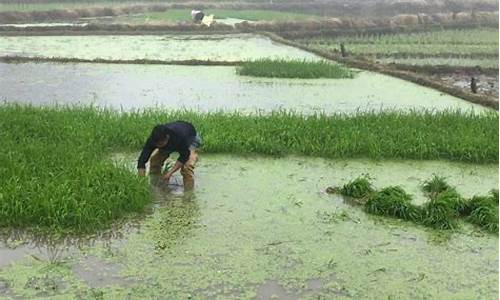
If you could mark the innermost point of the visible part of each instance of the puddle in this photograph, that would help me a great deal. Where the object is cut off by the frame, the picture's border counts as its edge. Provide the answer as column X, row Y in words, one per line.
column 214, row 88
column 255, row 227
column 230, row 47
column 273, row 290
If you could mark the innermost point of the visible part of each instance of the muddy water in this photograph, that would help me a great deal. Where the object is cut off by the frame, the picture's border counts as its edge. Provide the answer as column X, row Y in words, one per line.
column 230, row 47
column 204, row 89
column 262, row 228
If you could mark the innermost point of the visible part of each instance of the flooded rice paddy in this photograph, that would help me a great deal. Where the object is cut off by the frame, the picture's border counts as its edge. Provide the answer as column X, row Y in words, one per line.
column 264, row 228
column 228, row 47
column 211, row 88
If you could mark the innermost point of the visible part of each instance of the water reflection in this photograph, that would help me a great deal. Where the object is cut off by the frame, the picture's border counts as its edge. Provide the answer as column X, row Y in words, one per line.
column 177, row 213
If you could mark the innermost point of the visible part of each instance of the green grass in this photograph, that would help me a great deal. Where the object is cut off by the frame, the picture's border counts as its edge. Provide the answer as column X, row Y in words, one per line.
column 279, row 68
column 55, row 170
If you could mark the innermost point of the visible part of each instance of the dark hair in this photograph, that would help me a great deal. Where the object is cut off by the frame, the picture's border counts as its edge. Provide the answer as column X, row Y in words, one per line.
column 159, row 133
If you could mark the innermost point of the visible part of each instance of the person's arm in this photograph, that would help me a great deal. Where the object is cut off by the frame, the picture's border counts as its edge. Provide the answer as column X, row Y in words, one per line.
column 144, row 157
column 183, row 158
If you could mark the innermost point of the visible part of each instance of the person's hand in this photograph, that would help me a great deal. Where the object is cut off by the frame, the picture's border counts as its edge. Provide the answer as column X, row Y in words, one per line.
column 166, row 177
column 141, row 172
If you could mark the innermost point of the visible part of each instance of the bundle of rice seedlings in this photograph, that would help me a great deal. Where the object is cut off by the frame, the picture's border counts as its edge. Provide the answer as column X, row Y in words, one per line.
column 494, row 196
column 435, row 186
column 483, row 211
column 392, row 201
column 442, row 211
column 358, row 188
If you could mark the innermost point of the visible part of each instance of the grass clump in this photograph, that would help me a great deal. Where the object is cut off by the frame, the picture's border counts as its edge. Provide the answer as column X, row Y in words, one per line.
column 358, row 188
column 442, row 211
column 55, row 176
column 294, row 69
column 494, row 196
column 483, row 211
column 392, row 201
column 435, row 186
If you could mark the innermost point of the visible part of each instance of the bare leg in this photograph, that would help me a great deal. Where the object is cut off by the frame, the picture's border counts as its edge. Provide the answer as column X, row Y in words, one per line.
column 187, row 171
column 156, row 163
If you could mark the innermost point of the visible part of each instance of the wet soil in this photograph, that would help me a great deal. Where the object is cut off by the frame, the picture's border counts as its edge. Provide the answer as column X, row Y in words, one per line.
column 486, row 84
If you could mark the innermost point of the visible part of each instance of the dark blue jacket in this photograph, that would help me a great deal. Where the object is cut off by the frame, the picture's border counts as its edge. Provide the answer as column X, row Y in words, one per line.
column 181, row 134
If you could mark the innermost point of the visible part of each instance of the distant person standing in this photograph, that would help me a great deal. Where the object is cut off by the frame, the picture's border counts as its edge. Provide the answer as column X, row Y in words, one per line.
column 178, row 137
column 197, row 15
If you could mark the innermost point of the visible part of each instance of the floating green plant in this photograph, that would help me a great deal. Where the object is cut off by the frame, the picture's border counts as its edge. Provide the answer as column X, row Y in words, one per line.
column 294, row 69
column 392, row 201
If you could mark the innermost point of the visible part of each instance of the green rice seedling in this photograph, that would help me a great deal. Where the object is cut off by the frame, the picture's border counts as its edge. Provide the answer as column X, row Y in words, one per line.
column 55, row 171
column 494, row 196
column 470, row 47
column 358, row 188
column 483, row 211
column 294, row 69
column 392, row 201
column 435, row 186
column 486, row 217
column 442, row 211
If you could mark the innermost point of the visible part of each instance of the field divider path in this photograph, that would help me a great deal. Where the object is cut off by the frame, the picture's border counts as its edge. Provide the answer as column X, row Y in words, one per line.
column 190, row 62
column 488, row 101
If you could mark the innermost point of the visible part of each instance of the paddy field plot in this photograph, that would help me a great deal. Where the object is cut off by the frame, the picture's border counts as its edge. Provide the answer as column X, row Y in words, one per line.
column 281, row 234
column 255, row 226
column 456, row 47
column 180, row 15
column 210, row 88
column 229, row 47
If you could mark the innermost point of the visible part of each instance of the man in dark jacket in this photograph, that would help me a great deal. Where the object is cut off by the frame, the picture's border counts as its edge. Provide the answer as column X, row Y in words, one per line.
column 178, row 137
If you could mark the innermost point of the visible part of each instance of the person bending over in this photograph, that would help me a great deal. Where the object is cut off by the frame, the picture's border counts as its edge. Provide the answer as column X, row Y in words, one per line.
column 178, row 136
